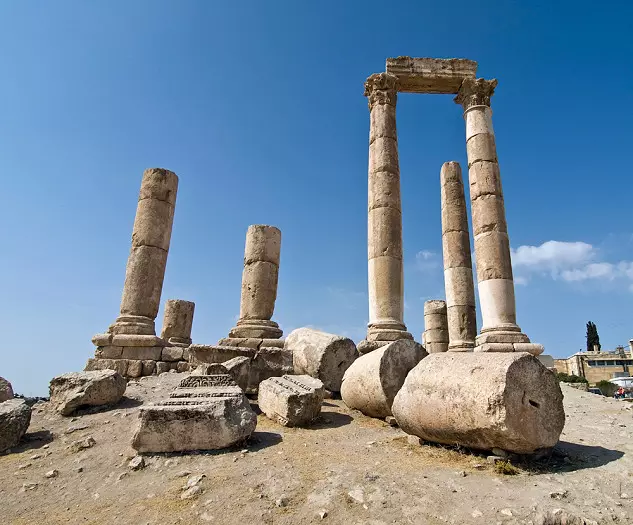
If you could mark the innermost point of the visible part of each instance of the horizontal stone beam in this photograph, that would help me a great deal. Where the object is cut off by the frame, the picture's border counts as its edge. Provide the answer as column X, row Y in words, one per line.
column 431, row 75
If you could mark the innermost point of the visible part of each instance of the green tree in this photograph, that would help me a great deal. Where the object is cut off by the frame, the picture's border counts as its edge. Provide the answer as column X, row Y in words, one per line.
column 607, row 387
column 592, row 336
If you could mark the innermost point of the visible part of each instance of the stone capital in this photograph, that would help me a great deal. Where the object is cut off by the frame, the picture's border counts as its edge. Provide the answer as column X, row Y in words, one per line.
column 475, row 92
column 381, row 88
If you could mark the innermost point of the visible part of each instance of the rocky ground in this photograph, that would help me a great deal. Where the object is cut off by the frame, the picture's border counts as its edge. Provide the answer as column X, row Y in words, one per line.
column 346, row 468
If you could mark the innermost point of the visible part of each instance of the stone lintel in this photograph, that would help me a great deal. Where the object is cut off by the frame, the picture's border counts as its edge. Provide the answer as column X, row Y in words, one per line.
column 431, row 75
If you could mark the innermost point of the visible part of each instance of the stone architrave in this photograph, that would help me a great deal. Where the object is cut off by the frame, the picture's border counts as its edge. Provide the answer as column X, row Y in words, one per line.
column 203, row 413
column 373, row 380
column 291, row 400
column 499, row 332
column 259, row 284
column 69, row 392
column 321, row 355
column 435, row 337
column 386, row 282
column 177, row 322
column 15, row 417
column 458, row 271
column 508, row 401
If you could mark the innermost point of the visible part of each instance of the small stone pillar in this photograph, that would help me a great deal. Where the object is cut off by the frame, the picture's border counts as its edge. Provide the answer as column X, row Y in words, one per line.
column 259, row 284
column 435, row 337
column 386, row 283
column 500, row 332
column 458, row 270
column 177, row 322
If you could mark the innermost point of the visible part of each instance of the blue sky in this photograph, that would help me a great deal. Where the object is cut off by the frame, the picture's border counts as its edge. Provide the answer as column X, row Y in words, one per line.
column 259, row 108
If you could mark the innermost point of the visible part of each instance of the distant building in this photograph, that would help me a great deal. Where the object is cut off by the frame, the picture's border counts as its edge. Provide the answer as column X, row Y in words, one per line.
column 598, row 365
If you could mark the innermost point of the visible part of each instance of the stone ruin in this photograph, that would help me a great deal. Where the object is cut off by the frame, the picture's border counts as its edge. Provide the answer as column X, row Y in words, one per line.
column 443, row 397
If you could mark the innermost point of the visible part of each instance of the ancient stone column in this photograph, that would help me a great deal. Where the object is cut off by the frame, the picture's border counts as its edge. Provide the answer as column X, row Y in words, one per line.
column 500, row 331
column 386, row 287
column 458, row 271
column 146, row 263
column 436, row 337
column 177, row 322
column 259, row 284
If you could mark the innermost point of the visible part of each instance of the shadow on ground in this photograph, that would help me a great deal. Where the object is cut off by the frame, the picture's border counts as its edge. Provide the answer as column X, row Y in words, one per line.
column 570, row 457
column 32, row 441
column 124, row 403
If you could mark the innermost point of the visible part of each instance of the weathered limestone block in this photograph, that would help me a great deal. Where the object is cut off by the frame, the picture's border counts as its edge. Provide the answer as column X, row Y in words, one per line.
column 178, row 321
column 118, row 365
column 291, row 400
column 171, row 353
column 15, row 416
column 203, row 413
column 142, row 352
column 109, row 352
column 483, row 401
column 321, row 355
column 431, row 75
column 162, row 367
column 238, row 368
column 435, row 337
column 6, row 390
column 373, row 380
column 70, row 391
column 134, row 368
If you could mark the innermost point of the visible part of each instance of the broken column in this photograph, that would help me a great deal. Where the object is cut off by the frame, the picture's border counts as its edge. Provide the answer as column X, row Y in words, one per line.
column 500, row 332
column 458, row 271
column 130, row 345
column 259, row 284
column 435, row 336
column 386, row 286
column 177, row 322
column 482, row 401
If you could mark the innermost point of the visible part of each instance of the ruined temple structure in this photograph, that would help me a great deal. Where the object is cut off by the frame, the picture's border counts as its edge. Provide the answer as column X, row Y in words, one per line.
column 500, row 332
column 130, row 345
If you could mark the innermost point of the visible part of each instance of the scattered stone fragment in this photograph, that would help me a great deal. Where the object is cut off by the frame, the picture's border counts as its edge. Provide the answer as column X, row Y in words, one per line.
column 291, row 400
column 191, row 492
column 29, row 486
column 6, row 390
column 75, row 428
column 70, row 391
column 194, row 480
column 371, row 383
column 482, row 401
column 391, row 421
column 477, row 514
column 137, row 463
column 321, row 355
column 203, row 413
column 25, row 465
column 414, row 440
column 357, row 495
column 562, row 494
column 52, row 474
column 36, row 456
column 282, row 502
column 499, row 452
column 323, row 514
column 15, row 417
column 82, row 444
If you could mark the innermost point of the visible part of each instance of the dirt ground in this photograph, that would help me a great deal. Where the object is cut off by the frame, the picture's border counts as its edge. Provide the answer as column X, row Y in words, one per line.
column 345, row 469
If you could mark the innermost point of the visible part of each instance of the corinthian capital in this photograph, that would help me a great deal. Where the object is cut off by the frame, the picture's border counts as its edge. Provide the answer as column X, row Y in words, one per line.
column 475, row 92
column 381, row 88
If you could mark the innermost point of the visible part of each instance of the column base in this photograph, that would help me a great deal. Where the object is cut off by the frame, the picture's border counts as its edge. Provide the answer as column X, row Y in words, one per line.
column 256, row 328
column 133, row 324
column 531, row 348
column 506, row 339
column 461, row 346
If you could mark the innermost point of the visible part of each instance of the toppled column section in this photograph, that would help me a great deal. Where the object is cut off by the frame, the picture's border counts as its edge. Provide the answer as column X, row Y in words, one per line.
column 259, row 284
column 435, row 336
column 203, row 413
column 373, row 380
column 500, row 332
column 291, row 400
column 386, row 283
column 483, row 401
column 321, row 355
column 130, row 345
column 458, row 270
column 177, row 322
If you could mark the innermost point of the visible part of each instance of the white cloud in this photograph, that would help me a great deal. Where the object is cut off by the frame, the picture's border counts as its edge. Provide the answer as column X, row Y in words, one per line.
column 553, row 255
column 603, row 270
column 427, row 260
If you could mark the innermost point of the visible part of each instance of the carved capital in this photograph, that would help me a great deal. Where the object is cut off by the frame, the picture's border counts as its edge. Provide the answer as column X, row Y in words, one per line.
column 381, row 88
column 475, row 92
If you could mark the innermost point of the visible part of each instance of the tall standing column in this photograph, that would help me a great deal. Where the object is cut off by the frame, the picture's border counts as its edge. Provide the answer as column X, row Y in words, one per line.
column 146, row 263
column 458, row 270
column 259, row 284
column 386, row 287
column 500, row 331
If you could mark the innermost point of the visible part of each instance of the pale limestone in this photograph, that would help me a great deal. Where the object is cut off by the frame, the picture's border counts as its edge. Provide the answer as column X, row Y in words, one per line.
column 291, row 400
column 321, row 355
column 482, row 401
column 171, row 353
column 15, row 416
column 435, row 335
column 373, row 380
column 69, row 392
column 431, row 75
column 6, row 390
column 142, row 353
column 178, row 321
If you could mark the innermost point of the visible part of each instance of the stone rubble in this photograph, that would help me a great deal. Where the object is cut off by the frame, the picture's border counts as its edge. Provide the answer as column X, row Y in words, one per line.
column 291, row 400
column 203, row 413
column 321, row 355
column 15, row 417
column 69, row 392
column 6, row 390
column 371, row 383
